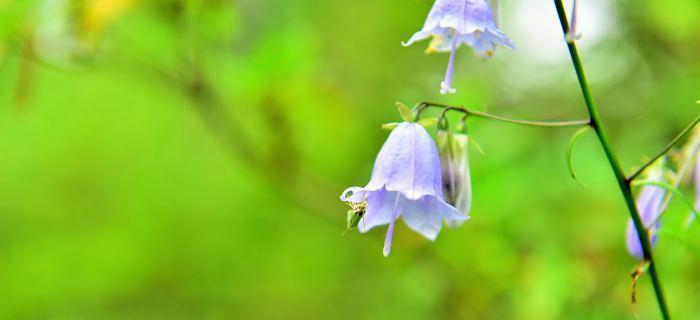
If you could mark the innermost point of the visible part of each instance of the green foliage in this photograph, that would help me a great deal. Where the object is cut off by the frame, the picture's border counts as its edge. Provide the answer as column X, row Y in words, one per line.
column 185, row 162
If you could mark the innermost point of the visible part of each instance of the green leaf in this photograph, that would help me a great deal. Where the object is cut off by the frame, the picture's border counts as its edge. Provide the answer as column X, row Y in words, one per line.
column 672, row 189
column 570, row 154
column 406, row 113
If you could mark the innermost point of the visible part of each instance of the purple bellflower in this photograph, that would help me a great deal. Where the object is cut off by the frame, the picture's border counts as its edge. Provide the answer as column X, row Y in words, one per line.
column 452, row 23
column 650, row 206
column 406, row 182
column 456, row 180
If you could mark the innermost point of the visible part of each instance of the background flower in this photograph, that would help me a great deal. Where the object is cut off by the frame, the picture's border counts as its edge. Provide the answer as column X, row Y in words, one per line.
column 650, row 206
column 452, row 23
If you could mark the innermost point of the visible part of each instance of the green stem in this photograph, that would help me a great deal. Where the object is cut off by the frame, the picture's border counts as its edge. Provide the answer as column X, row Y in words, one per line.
column 622, row 181
column 667, row 148
column 547, row 124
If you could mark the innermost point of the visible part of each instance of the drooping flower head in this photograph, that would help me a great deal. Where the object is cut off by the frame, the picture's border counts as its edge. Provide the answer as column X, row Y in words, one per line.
column 406, row 182
column 452, row 23
column 456, row 179
column 650, row 204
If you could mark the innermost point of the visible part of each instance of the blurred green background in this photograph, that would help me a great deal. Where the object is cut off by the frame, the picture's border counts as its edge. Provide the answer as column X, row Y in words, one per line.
column 175, row 159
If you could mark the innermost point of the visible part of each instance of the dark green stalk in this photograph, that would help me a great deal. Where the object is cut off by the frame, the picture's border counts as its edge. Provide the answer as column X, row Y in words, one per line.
column 548, row 124
column 622, row 181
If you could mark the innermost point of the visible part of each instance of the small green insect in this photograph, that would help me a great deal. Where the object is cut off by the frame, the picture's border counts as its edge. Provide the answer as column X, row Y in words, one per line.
column 355, row 214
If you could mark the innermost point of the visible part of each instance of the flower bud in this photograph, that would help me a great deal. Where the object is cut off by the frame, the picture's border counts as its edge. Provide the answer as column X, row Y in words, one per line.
column 456, row 182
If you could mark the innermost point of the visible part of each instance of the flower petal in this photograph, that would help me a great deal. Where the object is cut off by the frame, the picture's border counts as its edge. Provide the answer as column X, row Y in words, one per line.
column 426, row 214
column 408, row 163
column 463, row 16
column 353, row 194
column 423, row 216
column 649, row 204
column 471, row 22
column 633, row 245
column 379, row 210
column 418, row 36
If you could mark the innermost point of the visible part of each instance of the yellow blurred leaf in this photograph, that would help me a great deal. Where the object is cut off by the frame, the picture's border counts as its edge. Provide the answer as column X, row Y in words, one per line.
column 101, row 13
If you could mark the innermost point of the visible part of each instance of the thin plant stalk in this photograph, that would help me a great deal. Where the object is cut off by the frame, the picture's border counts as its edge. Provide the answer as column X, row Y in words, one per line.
column 622, row 181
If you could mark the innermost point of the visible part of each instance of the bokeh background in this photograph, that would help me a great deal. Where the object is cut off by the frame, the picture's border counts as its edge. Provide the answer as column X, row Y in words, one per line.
column 182, row 159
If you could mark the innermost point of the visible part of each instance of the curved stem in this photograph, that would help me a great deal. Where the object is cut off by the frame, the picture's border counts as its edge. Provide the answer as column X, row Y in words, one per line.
column 622, row 181
column 551, row 124
column 547, row 124
column 666, row 149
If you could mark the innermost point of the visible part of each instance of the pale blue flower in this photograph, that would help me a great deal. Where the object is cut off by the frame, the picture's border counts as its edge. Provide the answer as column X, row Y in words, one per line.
column 452, row 23
column 406, row 182
column 650, row 206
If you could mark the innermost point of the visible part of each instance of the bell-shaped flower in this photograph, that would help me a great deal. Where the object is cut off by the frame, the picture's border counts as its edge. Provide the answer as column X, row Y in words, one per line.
column 452, row 23
column 456, row 181
column 650, row 204
column 406, row 182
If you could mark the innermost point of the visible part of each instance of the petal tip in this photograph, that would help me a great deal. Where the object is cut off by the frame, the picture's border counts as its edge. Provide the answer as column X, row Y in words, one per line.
column 349, row 195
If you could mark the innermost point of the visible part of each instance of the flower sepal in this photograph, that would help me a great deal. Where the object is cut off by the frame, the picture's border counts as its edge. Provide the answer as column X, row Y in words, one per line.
column 406, row 113
column 426, row 123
